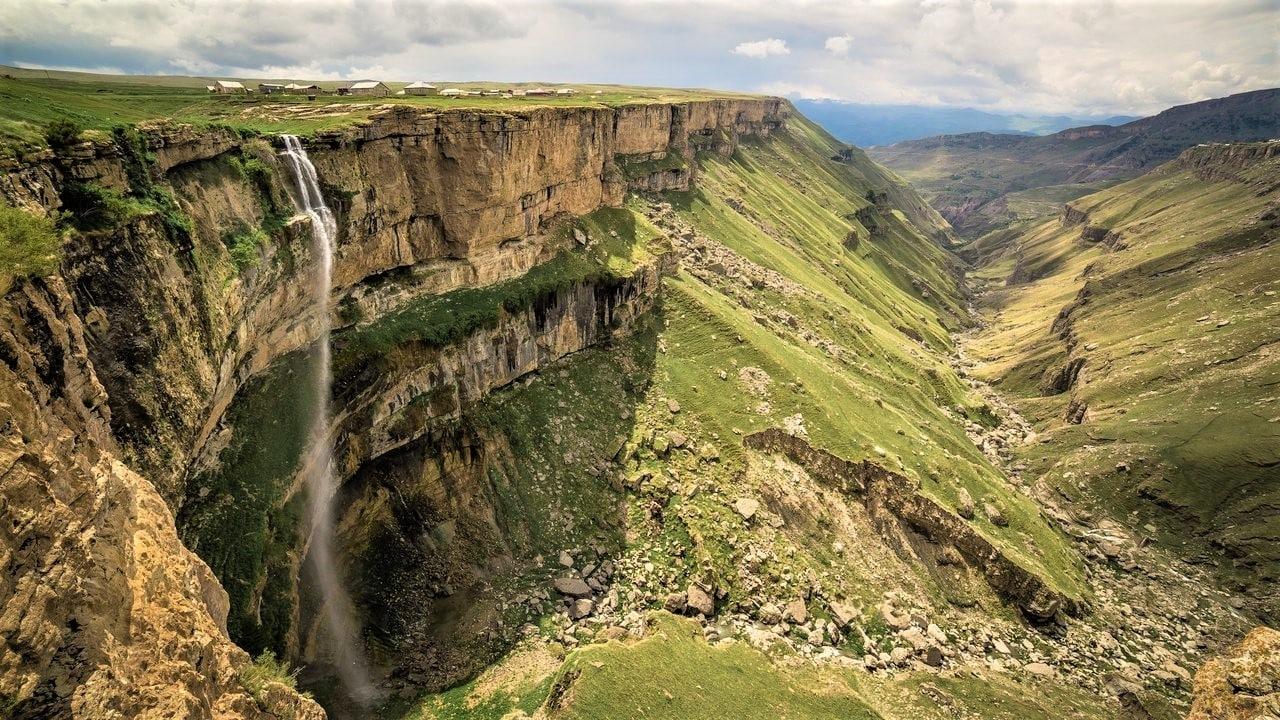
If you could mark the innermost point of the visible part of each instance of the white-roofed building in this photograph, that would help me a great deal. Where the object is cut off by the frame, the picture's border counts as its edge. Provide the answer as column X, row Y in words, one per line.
column 227, row 87
column 421, row 88
column 369, row 87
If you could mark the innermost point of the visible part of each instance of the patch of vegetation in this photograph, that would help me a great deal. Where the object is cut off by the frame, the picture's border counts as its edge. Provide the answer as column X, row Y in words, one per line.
column 30, row 245
column 674, row 674
column 621, row 239
column 265, row 671
column 632, row 169
column 1173, row 327
column 245, row 247
column 62, row 133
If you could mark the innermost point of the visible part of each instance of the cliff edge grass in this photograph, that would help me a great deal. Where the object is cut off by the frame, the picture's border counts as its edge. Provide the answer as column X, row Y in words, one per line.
column 65, row 108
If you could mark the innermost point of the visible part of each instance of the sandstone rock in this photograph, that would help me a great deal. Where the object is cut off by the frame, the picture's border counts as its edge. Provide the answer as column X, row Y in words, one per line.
column 1242, row 684
column 673, row 406
column 899, row 655
column 675, row 603
column 995, row 514
column 892, row 618
column 566, row 560
column 843, row 614
column 1039, row 669
column 796, row 612
column 699, row 601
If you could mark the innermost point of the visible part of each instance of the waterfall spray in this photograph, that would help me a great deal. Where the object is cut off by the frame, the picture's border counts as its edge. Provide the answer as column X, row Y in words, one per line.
column 337, row 611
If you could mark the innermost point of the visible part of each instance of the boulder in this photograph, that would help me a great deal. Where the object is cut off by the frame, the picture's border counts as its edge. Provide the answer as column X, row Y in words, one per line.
column 699, row 601
column 580, row 609
column 796, row 612
column 746, row 507
column 843, row 614
column 675, row 603
column 964, row 504
column 572, row 587
column 1039, row 669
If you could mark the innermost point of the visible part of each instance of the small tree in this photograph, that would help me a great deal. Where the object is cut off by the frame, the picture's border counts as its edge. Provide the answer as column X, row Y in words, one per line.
column 61, row 133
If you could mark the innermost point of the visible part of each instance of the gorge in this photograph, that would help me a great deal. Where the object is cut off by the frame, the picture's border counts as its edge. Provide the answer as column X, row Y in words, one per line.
column 670, row 406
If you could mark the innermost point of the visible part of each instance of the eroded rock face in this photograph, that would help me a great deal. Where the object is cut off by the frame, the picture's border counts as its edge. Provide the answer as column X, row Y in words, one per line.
column 1243, row 684
column 887, row 493
column 105, row 613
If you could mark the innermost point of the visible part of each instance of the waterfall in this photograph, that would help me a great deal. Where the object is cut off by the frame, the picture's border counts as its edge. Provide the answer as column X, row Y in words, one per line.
column 337, row 611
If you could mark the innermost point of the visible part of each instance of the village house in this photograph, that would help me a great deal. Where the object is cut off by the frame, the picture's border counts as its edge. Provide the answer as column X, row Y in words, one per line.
column 452, row 92
column 300, row 89
column 421, row 88
column 226, row 87
column 566, row 91
column 539, row 91
column 271, row 88
column 369, row 87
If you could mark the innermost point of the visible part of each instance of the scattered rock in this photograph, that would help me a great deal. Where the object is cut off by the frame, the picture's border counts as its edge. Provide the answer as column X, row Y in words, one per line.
column 843, row 614
column 1039, row 669
column 566, row 560
column 675, row 603
column 580, row 609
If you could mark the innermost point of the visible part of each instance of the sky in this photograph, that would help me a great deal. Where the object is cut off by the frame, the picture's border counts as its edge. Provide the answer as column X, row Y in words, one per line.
column 1051, row 56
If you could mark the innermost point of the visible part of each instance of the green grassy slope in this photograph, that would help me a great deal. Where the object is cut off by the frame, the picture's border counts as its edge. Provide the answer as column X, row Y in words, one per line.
column 673, row 674
column 1177, row 327
column 776, row 319
column 886, row 397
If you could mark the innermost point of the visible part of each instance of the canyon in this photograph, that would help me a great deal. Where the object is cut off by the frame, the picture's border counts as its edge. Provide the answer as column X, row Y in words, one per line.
column 617, row 397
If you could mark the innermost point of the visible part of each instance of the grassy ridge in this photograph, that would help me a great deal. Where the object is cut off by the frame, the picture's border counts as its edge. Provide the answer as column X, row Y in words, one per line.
column 1177, row 330
column 29, row 105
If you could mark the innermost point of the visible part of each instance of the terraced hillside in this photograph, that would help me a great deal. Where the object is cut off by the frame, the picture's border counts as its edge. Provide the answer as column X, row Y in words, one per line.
column 1141, row 331
column 983, row 181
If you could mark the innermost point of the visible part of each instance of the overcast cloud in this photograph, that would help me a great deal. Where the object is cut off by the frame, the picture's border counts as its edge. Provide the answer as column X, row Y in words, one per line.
column 1095, row 56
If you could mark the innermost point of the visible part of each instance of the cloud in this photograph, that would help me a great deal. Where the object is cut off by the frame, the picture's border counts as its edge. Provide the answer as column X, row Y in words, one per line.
column 1059, row 56
column 762, row 48
column 838, row 45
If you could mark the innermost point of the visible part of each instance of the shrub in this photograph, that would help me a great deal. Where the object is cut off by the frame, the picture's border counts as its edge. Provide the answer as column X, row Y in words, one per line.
column 91, row 206
column 61, row 133
column 256, row 676
column 30, row 244
column 246, row 248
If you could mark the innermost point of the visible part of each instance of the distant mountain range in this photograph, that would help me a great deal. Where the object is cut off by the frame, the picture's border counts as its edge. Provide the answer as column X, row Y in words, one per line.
column 867, row 125
column 981, row 181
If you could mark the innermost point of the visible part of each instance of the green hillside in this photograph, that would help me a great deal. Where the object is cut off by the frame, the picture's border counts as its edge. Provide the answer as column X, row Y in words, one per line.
column 1160, row 296
column 983, row 181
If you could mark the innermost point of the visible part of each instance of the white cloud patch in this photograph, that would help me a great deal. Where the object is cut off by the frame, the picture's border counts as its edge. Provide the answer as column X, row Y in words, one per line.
column 1052, row 56
column 762, row 48
column 838, row 45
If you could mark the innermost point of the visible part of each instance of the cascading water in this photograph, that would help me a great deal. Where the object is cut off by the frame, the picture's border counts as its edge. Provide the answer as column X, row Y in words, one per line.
column 321, row 487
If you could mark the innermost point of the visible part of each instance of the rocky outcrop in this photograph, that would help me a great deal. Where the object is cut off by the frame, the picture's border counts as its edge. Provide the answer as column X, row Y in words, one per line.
column 885, row 492
column 105, row 613
column 1215, row 162
column 1244, row 684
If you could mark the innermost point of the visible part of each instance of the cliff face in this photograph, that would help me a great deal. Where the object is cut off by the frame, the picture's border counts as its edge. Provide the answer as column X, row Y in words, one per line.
column 119, row 370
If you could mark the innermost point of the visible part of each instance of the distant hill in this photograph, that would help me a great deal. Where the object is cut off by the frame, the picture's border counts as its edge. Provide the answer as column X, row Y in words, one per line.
column 982, row 181
column 866, row 125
